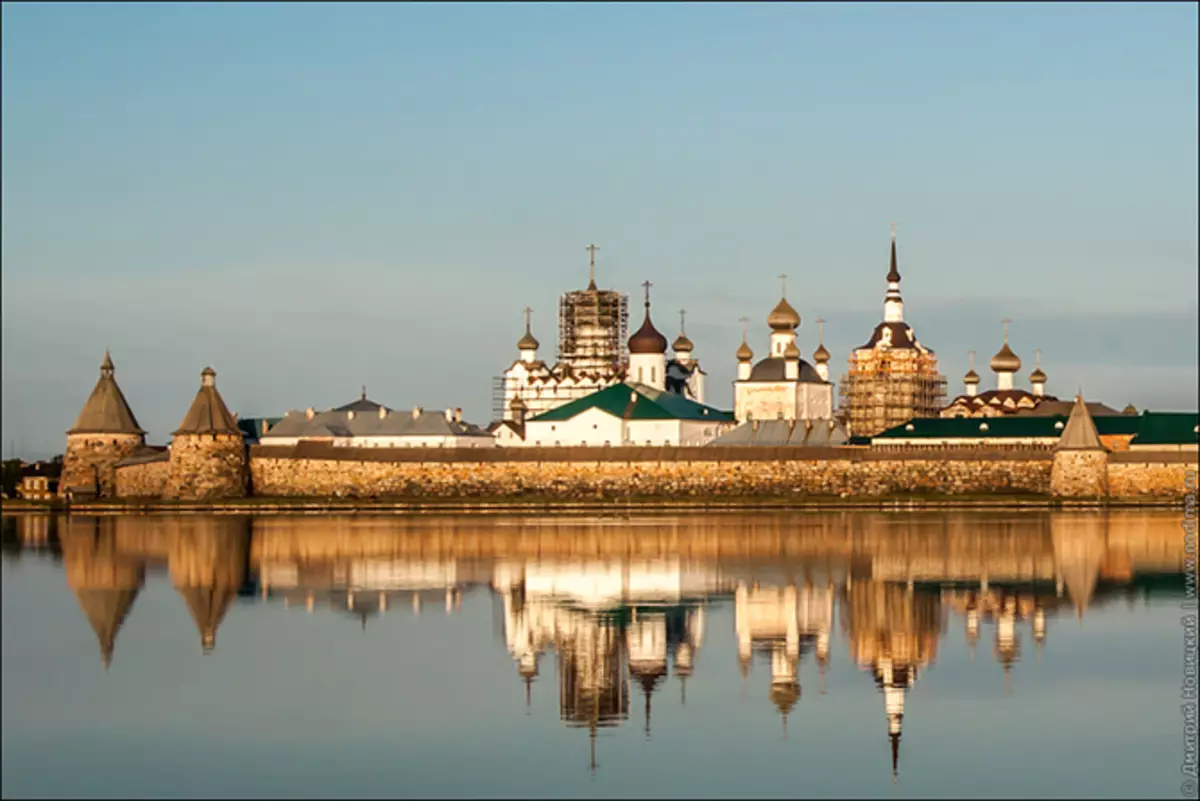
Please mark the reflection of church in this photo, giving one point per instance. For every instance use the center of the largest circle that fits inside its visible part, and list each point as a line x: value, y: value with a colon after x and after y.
x: 782, y: 623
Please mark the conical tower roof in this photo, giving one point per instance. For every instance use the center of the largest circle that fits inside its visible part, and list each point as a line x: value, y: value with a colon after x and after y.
x: 208, y: 606
x: 106, y: 410
x: 1080, y: 432
x: 208, y: 413
x: 106, y: 610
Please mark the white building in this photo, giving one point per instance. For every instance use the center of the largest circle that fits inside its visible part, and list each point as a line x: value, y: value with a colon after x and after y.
x: 782, y: 386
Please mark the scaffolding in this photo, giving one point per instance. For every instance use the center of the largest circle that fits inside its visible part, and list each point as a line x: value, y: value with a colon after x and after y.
x: 593, y: 329
x: 499, y: 411
x: 879, y: 392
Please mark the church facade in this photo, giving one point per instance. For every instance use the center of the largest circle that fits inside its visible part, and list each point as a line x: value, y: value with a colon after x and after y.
x: 782, y: 386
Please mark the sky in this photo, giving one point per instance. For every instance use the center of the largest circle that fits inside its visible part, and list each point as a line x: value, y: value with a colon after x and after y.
x: 313, y: 197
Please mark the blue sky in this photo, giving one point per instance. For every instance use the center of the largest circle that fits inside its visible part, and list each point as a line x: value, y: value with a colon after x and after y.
x: 312, y: 197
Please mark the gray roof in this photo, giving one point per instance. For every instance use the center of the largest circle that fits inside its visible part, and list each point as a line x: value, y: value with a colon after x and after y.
x: 333, y: 423
x: 1080, y: 432
x: 208, y: 413
x: 361, y: 405
x: 823, y: 433
x: 1051, y: 406
x: 772, y: 369
x: 106, y: 411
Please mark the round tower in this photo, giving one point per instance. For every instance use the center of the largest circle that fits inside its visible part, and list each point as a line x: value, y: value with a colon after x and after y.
x: 104, y: 433
x: 648, y: 352
x: 208, y: 455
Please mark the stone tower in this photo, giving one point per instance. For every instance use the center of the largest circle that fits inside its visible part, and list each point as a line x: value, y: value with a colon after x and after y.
x: 208, y: 455
x: 1080, y: 467
x: 105, y: 432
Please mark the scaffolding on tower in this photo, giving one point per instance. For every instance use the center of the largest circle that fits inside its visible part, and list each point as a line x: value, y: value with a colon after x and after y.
x: 879, y: 392
x: 593, y: 329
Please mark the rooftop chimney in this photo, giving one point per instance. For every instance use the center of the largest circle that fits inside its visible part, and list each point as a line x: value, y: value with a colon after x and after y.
x: 350, y: 415
x: 416, y: 412
x: 449, y: 415
x: 309, y: 412
x: 382, y: 412
x: 458, y: 414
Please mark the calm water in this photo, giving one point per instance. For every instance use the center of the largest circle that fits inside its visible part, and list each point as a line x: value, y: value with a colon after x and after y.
x: 842, y: 654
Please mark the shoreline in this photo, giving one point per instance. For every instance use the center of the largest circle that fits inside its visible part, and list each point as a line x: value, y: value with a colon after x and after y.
x: 338, y: 506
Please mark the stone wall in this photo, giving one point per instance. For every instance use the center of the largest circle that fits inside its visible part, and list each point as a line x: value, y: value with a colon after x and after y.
x: 88, y: 463
x: 142, y: 480
x: 853, y: 474
x: 1140, y: 474
x: 1079, y: 474
x: 206, y: 467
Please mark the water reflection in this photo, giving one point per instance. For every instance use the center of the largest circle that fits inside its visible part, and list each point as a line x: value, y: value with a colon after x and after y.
x: 619, y: 607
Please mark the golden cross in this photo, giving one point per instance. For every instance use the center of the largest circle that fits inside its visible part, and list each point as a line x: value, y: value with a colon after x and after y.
x: 682, y: 314
x: 745, y: 321
x: 1006, y: 322
x: 783, y: 283
x: 528, y: 312
x: 820, y: 331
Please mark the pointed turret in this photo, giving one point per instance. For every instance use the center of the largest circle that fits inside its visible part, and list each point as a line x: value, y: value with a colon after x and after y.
x: 208, y: 413
x: 106, y: 610
x: 106, y: 411
x: 1005, y: 363
x: 1037, y: 379
x: 1080, y: 433
x: 528, y: 344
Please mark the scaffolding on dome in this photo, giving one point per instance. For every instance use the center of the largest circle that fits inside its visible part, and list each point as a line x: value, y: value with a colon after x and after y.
x: 878, y: 392
x: 593, y: 329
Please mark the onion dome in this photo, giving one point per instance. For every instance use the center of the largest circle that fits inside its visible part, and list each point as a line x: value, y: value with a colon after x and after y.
x: 791, y: 351
x: 744, y: 354
x: 820, y: 355
x: 527, y: 342
x: 682, y: 343
x: 1130, y: 409
x: 1005, y: 361
x: 783, y: 317
x: 647, y: 339
x: 971, y: 377
x: 1037, y: 376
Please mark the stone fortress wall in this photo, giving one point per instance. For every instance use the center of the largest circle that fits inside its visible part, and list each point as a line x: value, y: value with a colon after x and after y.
x: 313, y: 470
x: 144, y: 480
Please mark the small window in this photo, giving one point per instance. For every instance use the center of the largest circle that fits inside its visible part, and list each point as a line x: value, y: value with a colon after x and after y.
x: 639, y: 381
x: 553, y: 428
x: 653, y: 374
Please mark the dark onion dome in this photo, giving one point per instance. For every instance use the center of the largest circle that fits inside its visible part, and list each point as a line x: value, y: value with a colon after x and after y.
x: 1037, y: 376
x: 744, y: 354
x: 647, y: 339
x: 900, y: 336
x: 527, y: 342
x: 783, y: 317
x: 791, y: 351
x: 820, y: 355
x: 1005, y: 361
x: 971, y: 377
x: 774, y: 369
x: 682, y: 343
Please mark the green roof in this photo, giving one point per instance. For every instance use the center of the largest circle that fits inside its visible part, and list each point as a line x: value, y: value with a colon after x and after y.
x: 636, y: 402
x: 1148, y: 428
x: 1015, y: 426
x: 1166, y: 428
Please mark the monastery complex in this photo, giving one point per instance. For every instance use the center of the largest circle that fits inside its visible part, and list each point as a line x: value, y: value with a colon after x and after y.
x: 636, y: 403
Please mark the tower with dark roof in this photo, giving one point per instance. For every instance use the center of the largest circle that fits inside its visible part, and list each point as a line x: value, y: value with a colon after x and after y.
x: 891, y: 378
x: 104, y: 433
x: 648, y: 352
x: 208, y: 454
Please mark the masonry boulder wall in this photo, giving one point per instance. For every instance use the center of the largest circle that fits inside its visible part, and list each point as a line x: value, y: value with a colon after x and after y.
x: 1167, y: 475
x: 207, y: 467
x: 145, y: 480
x: 668, y: 473
x: 88, y: 464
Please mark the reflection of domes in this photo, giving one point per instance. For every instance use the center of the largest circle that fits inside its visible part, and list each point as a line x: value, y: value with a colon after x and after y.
x: 783, y: 317
x: 820, y: 355
x: 1005, y: 361
x: 647, y: 339
x: 744, y: 354
x: 785, y: 696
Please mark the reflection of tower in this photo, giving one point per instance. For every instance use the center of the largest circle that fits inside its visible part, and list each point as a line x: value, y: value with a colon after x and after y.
x: 105, y: 582
x: 646, y: 642
x: 688, y: 643
x: 893, y: 632
x: 1008, y: 644
x: 785, y: 682
x: 1080, y: 543
x: 207, y: 561
x: 972, y: 627
x: 1039, y: 629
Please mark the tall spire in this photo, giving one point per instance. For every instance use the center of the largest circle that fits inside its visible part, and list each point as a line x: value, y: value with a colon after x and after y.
x: 893, y: 305
x: 591, y: 249
x: 364, y: 391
